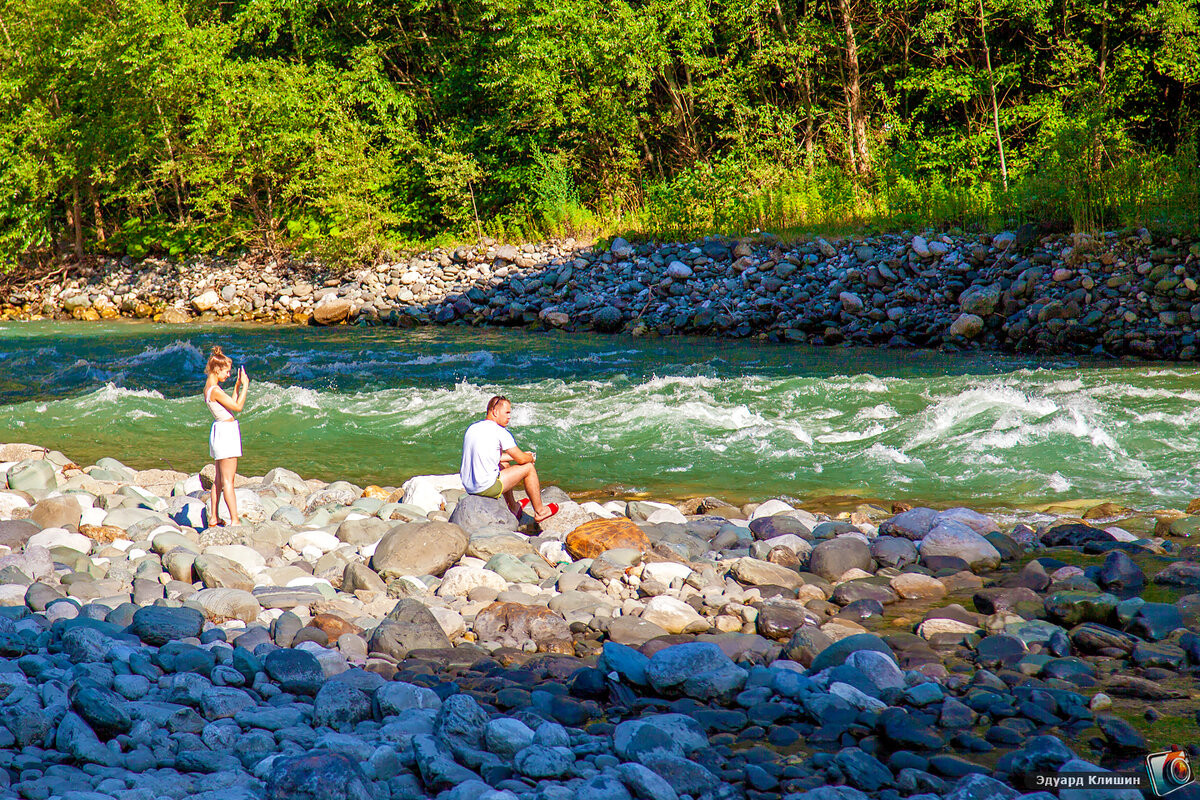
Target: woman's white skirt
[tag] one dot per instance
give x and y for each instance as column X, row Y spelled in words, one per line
column 225, row 440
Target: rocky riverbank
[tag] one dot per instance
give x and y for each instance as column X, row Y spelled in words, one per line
column 1117, row 294
column 411, row 642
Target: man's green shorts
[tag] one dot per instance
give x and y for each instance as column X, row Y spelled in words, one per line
column 495, row 490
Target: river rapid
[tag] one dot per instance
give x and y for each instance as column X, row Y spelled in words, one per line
column 670, row 417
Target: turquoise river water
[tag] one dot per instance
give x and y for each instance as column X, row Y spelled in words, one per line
column 668, row 417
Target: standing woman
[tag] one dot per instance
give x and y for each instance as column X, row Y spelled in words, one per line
column 225, row 440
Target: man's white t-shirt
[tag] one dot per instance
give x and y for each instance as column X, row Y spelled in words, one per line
column 482, row 445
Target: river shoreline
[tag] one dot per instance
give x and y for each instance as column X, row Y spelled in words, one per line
column 407, row 642
column 1115, row 295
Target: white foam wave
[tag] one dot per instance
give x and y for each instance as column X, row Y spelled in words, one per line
column 112, row 393
column 882, row 452
column 840, row 437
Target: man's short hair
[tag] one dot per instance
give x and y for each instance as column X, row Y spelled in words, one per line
column 495, row 401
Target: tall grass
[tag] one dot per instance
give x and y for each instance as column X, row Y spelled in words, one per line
column 1078, row 184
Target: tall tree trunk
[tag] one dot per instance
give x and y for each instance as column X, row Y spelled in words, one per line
column 858, row 117
column 987, row 54
column 96, row 214
column 77, row 219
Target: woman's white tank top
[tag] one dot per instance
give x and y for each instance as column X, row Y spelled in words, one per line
column 220, row 413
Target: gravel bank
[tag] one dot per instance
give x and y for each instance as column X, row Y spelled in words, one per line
column 1116, row 294
column 411, row 642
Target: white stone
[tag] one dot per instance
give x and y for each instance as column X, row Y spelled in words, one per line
column 859, row 699
column 322, row 541
column 12, row 594
column 921, row 247
column 459, row 580
column 677, row 270
column 671, row 614
column 1003, row 241
column 206, row 301
column 160, row 530
column 770, row 509
column 61, row 537
column 930, row 627
column 92, row 516
column 666, row 515
column 554, row 552
column 10, row 502
column 247, row 558
column 424, row 492
column 592, row 507
column 665, row 571
column 450, row 621
column 1120, row 534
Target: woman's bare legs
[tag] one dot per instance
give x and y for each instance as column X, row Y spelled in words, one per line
column 214, row 496
column 226, row 470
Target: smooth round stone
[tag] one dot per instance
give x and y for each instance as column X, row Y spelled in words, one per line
column 999, row 650
column 39, row 595
column 295, row 671
column 837, row 652
column 1155, row 621
column 51, row 538
column 832, row 558
column 1067, row 669
column 157, row 625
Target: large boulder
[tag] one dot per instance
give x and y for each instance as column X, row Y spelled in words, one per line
column 514, row 624
column 952, row 538
column 218, row 572
column 753, row 572
column 408, row 626
column 158, row 625
column 57, row 512
column 423, row 548
column 331, row 310
column 474, row 513
column 591, row 539
column 912, row 524
column 834, row 557
column 223, row 605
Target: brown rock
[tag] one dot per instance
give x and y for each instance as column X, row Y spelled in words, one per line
column 591, row 539
column 514, row 624
column 899, row 507
column 1194, row 506
column 105, row 534
column 333, row 626
column 331, row 310
column 1110, row 510
column 377, row 492
column 784, row 557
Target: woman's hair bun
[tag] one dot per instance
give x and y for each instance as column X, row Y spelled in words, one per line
column 217, row 352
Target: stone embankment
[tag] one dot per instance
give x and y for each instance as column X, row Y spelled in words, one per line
column 408, row 642
column 1114, row 294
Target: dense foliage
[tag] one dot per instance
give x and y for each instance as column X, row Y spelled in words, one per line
column 135, row 126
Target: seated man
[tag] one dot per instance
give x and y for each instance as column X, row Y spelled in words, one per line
column 493, row 465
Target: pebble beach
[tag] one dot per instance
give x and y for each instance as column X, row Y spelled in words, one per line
column 410, row 641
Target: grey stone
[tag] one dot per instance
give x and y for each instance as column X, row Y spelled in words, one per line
column 317, row 776
column 295, row 671
column 158, row 625
column 428, row 548
column 832, row 558
column 474, row 513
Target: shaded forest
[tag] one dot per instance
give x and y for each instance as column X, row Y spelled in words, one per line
column 347, row 127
